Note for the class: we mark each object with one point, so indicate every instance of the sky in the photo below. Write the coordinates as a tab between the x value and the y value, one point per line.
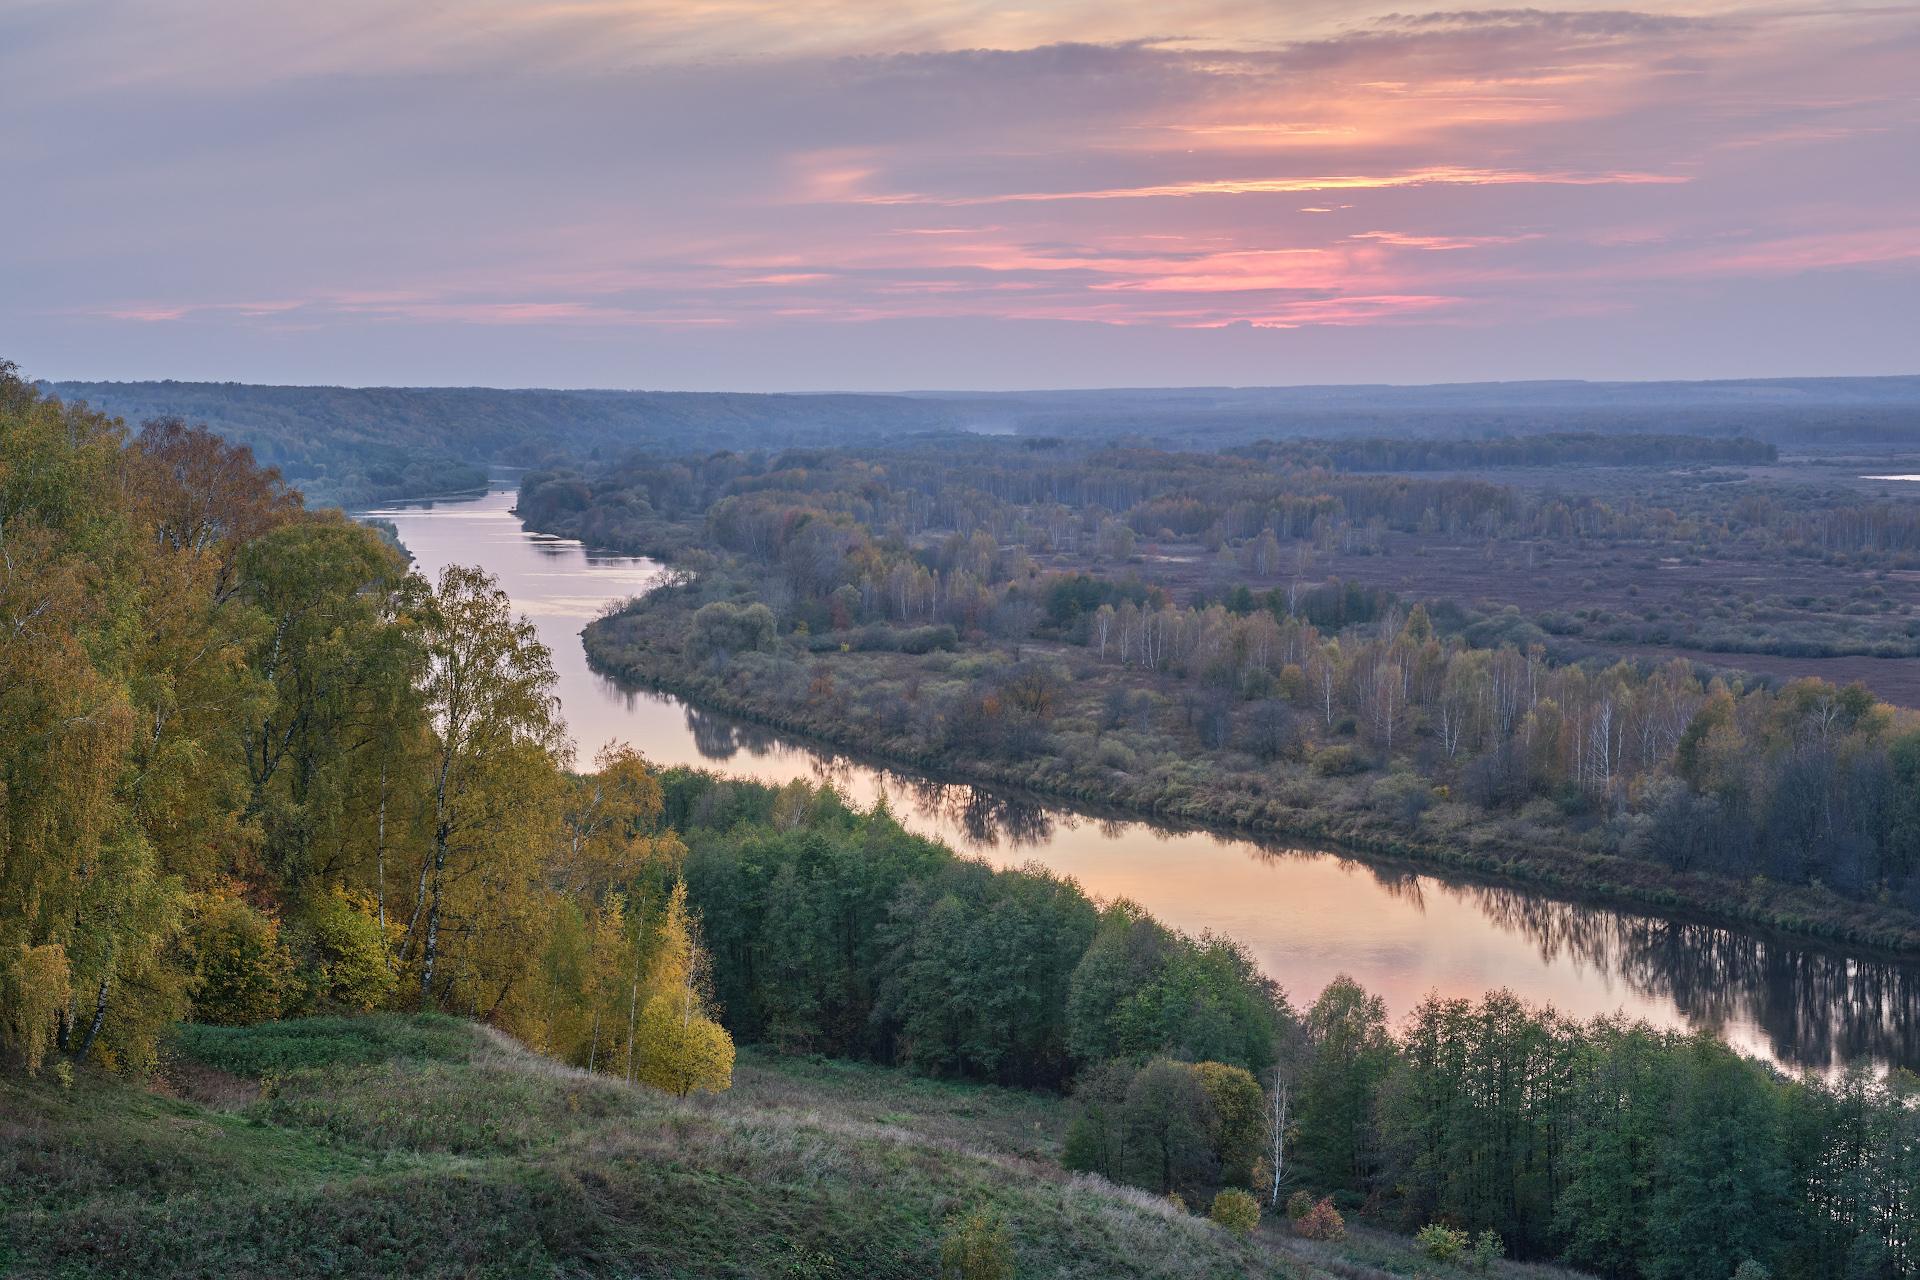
896	194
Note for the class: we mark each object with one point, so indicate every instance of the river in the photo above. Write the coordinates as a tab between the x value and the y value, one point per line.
1306	914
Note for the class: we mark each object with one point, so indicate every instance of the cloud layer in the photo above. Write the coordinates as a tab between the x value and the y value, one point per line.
736	194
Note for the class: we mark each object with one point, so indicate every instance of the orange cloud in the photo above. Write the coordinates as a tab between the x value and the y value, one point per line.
1438	176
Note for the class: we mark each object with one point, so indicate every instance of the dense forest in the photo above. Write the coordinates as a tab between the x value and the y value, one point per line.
256	768
357	445
1546	449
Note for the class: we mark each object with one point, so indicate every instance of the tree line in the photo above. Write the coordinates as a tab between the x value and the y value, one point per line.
1066	497
255	767
1544	449
1610	1145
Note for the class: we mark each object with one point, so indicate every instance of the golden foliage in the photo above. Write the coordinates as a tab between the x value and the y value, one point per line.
678	1045
245	972
33	990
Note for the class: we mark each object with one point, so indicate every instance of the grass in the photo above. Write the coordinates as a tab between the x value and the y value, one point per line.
430	1147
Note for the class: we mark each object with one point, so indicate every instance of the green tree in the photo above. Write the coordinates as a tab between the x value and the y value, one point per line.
1235	1210
86	910
1349	1055
1237	1110
1166	1120
1723	1193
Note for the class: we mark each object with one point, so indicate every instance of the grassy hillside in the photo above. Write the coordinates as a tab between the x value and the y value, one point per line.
431	1147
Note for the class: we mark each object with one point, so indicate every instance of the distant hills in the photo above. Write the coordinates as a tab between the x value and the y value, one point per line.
360	444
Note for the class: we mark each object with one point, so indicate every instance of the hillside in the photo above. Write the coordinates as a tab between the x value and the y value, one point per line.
351	445
432	1147
354	445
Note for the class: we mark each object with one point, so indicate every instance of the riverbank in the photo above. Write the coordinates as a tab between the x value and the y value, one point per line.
1298	806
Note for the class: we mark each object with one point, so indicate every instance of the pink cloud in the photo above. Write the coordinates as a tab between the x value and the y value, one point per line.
1438	176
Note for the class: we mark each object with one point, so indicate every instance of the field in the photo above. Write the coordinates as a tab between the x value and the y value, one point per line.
432	1147
1737	599
1724	604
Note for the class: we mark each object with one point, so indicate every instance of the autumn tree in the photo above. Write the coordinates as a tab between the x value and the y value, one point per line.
492	794
86	913
679	1046
610	818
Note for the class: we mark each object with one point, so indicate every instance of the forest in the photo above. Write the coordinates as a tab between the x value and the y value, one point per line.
358	445
1028	612
279	810
255	768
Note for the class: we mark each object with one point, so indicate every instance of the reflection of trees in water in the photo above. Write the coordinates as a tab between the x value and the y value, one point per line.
718	737
714	737
1816	1008
1402	884
987	817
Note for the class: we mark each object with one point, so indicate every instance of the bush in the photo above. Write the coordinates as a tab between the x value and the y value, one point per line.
1338	762
927	639
1237	1211
343	956
1441	1242
1299	1204
721	628
1401	796
1322	1222
976	1248
244	970
1488	1249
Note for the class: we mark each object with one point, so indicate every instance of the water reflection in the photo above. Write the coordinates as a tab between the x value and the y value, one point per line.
1305	914
1803	1006
1815	1007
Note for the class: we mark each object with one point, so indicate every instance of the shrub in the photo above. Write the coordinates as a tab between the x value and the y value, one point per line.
1401	796
1237	1211
1298	1205
244	970
927	639
1441	1242
722	628
976	1248
344	962
1488	1249
1338	762
1322	1222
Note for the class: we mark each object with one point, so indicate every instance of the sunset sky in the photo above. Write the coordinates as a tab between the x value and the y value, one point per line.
935	193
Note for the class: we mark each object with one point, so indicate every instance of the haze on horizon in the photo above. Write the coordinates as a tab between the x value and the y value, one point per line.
829	195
